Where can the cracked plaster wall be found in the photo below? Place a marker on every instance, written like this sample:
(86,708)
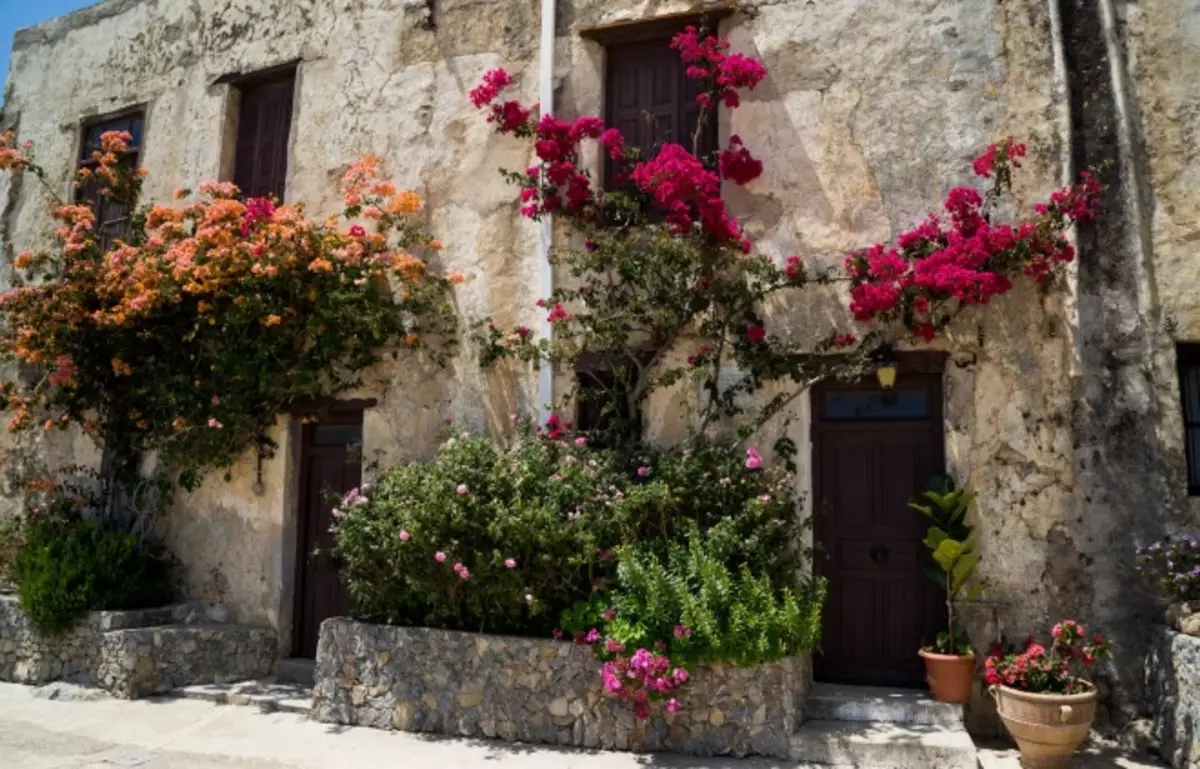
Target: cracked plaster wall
(871,112)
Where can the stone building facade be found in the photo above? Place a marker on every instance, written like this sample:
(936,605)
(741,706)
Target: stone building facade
(1063,410)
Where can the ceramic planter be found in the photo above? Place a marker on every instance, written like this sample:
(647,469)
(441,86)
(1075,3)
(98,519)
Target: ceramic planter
(1047,727)
(950,676)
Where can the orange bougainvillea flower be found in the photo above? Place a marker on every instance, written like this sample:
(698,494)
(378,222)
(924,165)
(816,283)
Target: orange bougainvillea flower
(404,203)
(138,330)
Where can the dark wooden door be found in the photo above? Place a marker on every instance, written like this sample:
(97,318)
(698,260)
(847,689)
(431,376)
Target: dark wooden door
(873,451)
(330,463)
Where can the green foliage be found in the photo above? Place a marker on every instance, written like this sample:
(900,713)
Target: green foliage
(560,511)
(951,544)
(12,537)
(67,568)
(704,609)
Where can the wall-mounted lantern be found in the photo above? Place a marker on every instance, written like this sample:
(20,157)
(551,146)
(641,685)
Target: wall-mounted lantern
(886,367)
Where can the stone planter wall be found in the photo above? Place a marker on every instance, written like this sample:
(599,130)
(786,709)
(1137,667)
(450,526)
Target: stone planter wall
(1173,690)
(134,653)
(534,690)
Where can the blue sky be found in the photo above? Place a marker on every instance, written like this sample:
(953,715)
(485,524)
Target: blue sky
(15,14)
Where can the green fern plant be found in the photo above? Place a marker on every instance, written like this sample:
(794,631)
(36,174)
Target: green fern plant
(703,610)
(951,543)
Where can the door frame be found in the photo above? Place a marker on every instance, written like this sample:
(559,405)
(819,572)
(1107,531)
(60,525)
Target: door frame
(923,368)
(337,412)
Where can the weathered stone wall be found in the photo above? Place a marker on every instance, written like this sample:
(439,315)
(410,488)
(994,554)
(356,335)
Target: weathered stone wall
(1061,408)
(1173,692)
(135,653)
(538,690)
(870,113)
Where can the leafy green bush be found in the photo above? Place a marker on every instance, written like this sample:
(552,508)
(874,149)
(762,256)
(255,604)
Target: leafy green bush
(525,531)
(68,567)
(698,608)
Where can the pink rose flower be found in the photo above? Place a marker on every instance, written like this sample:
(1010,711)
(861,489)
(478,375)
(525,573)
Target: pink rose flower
(753,459)
(643,471)
(404,535)
(439,556)
(462,489)
(673,705)
(510,563)
(581,441)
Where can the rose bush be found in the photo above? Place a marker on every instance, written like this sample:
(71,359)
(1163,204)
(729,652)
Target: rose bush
(190,332)
(509,537)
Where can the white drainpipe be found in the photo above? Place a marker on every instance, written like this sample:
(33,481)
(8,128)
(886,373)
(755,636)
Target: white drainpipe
(546,234)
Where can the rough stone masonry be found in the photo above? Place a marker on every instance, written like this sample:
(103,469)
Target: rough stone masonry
(535,690)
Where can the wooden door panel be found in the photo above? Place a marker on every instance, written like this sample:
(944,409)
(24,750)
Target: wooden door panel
(328,467)
(881,606)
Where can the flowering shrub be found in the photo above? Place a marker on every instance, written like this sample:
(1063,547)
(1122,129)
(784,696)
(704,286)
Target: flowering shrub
(1057,670)
(656,262)
(505,538)
(1173,565)
(189,333)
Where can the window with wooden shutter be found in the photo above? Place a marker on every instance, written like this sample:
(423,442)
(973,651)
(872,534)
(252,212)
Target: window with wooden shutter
(650,99)
(264,128)
(112,216)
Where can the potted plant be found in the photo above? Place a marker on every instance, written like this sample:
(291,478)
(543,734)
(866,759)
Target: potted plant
(1042,697)
(950,660)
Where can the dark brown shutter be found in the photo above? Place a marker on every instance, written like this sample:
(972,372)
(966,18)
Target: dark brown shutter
(112,217)
(264,127)
(650,99)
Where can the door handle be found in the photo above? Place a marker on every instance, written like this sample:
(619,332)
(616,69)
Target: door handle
(878,553)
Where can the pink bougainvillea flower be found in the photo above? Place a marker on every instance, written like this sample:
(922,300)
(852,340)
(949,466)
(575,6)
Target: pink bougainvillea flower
(673,705)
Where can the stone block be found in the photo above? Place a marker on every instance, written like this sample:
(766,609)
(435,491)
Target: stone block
(1173,693)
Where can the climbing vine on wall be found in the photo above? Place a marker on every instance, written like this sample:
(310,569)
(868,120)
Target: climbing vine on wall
(663,282)
(187,334)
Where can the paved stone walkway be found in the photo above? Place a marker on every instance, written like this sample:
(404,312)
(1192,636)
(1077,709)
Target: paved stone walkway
(97,732)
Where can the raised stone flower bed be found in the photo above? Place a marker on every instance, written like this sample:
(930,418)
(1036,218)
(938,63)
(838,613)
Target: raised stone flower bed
(1173,691)
(134,653)
(539,690)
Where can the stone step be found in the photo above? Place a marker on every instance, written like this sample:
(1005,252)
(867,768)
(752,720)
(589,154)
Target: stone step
(295,670)
(876,704)
(869,745)
(268,696)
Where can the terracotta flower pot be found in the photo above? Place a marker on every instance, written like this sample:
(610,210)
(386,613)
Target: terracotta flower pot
(950,676)
(1047,727)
